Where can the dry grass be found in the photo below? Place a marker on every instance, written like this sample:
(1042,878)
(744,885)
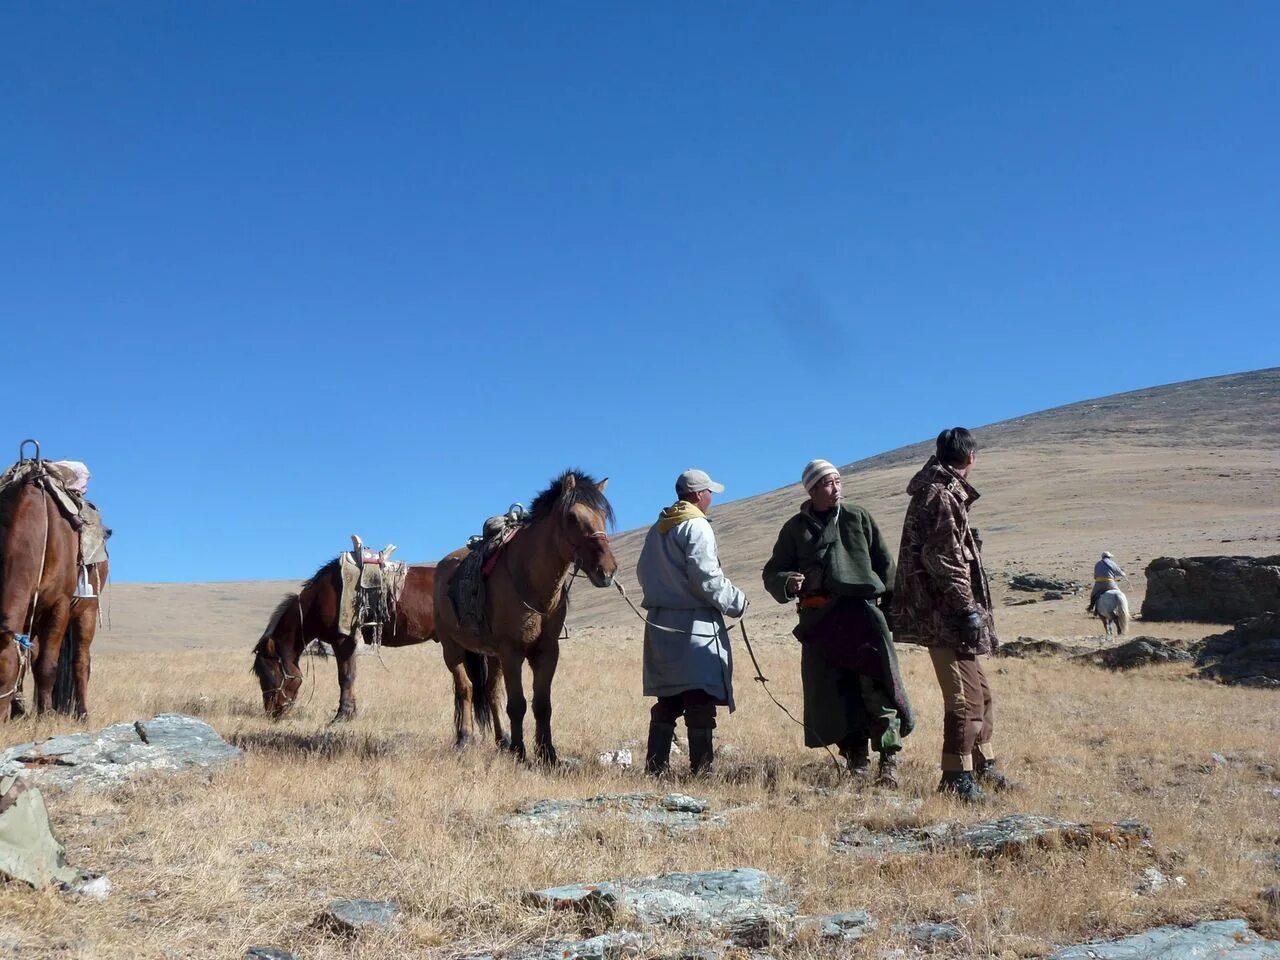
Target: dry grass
(384,808)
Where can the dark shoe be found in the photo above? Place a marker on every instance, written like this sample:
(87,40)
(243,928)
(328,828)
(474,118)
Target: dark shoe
(993,779)
(887,775)
(857,759)
(657,758)
(702,749)
(962,786)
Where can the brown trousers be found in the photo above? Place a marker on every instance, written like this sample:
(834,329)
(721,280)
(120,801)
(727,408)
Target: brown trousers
(967,713)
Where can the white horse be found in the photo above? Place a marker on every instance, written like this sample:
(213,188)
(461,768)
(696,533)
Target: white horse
(1112,609)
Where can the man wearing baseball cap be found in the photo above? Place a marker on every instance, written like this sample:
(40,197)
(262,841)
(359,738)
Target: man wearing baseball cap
(832,561)
(688,665)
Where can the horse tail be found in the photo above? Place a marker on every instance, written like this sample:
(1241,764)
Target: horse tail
(477,667)
(1122,615)
(64,681)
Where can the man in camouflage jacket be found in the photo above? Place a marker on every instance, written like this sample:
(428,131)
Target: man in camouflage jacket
(942,600)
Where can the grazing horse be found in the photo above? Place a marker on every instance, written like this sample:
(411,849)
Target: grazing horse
(39,556)
(312,614)
(527,598)
(1112,609)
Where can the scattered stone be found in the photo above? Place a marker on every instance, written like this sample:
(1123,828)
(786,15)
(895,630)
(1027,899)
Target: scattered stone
(1055,595)
(1153,881)
(352,917)
(614,758)
(1213,589)
(260,846)
(169,742)
(1247,656)
(671,813)
(29,852)
(268,953)
(1015,834)
(1035,583)
(1139,652)
(94,888)
(966,900)
(745,904)
(1025,647)
(847,927)
(1208,940)
(929,935)
(615,945)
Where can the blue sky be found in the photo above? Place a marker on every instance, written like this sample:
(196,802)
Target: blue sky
(280,272)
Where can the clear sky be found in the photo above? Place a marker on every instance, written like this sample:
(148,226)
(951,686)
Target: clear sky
(283,271)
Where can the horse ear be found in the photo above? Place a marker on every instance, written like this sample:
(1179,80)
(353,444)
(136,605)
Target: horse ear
(602,484)
(568,483)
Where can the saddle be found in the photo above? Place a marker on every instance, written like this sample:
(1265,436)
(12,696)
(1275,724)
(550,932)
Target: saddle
(66,482)
(371,586)
(467,591)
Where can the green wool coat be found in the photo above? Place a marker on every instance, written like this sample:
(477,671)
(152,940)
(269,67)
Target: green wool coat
(845,557)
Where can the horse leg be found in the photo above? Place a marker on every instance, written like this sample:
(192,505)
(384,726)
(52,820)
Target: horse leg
(52,629)
(344,650)
(10,664)
(495,708)
(512,671)
(85,619)
(463,692)
(543,658)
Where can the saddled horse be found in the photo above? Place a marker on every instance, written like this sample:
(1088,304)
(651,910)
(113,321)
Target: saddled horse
(527,598)
(312,614)
(1112,609)
(39,567)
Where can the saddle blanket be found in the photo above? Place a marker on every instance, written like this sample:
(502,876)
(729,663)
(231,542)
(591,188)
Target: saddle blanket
(370,591)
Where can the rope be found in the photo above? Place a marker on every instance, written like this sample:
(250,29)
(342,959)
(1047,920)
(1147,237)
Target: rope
(759,678)
(24,652)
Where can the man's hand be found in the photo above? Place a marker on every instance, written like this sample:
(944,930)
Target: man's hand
(795,583)
(971,628)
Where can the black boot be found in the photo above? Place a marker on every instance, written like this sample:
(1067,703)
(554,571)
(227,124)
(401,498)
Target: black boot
(857,757)
(961,785)
(993,779)
(887,775)
(657,758)
(702,750)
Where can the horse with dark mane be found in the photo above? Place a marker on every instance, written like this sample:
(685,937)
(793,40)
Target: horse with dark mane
(312,614)
(39,567)
(527,598)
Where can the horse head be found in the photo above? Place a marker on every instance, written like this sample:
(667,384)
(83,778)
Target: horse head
(279,683)
(586,517)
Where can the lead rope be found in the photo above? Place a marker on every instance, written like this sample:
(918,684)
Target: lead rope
(759,678)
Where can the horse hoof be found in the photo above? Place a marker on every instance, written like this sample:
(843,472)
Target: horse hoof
(504,742)
(547,757)
(461,743)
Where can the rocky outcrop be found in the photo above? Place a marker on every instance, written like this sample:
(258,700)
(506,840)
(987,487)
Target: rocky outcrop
(1247,656)
(1140,652)
(1210,940)
(1015,834)
(1211,589)
(170,742)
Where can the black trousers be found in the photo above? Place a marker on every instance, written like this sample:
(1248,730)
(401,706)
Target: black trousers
(696,706)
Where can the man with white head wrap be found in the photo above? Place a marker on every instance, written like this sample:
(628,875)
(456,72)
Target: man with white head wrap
(1106,573)
(832,561)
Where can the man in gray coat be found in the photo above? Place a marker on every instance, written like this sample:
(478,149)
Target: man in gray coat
(687,662)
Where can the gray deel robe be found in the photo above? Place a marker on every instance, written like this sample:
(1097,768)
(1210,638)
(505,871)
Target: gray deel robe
(686,591)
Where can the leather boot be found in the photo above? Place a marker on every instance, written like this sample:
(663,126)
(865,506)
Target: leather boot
(657,757)
(991,778)
(887,775)
(961,785)
(857,758)
(702,750)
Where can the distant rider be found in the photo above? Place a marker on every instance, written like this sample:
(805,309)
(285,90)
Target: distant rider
(1106,573)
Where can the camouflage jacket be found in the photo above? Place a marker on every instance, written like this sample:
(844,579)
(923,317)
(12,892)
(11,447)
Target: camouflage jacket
(940,576)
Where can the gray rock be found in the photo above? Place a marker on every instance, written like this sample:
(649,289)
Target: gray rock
(1247,656)
(615,945)
(1212,589)
(268,953)
(170,742)
(930,935)
(1025,647)
(1138,652)
(670,813)
(847,927)
(1210,940)
(356,916)
(1035,583)
(744,903)
(1014,834)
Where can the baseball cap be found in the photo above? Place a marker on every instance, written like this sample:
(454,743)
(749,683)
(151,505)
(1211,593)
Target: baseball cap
(691,481)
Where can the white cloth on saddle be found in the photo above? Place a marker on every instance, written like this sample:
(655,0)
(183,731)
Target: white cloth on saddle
(389,576)
(75,475)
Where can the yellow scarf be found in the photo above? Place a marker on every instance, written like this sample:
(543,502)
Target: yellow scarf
(677,513)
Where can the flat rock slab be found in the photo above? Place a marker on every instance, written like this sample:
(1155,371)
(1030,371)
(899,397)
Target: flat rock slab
(1211,940)
(1025,647)
(170,742)
(615,945)
(929,935)
(1015,834)
(357,916)
(745,903)
(672,812)
(847,927)
(268,953)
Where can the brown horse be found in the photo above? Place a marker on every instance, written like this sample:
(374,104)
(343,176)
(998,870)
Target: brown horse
(527,598)
(39,554)
(312,614)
